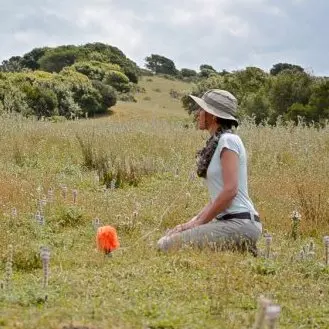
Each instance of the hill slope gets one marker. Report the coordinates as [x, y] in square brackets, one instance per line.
[156, 101]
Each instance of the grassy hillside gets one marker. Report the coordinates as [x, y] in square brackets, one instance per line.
[150, 144]
[155, 102]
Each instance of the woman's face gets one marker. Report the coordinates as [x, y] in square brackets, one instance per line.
[204, 119]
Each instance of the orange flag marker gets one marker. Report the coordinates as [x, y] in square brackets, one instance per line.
[107, 239]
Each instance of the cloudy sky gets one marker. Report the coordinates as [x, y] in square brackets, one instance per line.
[228, 34]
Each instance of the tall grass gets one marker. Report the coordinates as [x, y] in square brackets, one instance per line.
[151, 162]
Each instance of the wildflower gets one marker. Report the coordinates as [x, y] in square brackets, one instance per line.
[14, 213]
[96, 223]
[188, 197]
[43, 201]
[272, 315]
[45, 257]
[135, 214]
[326, 249]
[263, 303]
[75, 195]
[39, 218]
[192, 176]
[9, 267]
[268, 241]
[295, 217]
[113, 184]
[50, 196]
[64, 191]
[96, 178]
[39, 189]
[312, 246]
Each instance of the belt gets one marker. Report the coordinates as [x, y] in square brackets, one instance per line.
[239, 215]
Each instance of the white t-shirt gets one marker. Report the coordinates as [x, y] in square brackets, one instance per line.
[214, 180]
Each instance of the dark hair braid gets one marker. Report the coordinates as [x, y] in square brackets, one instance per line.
[205, 155]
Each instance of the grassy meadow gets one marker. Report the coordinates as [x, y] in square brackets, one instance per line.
[134, 170]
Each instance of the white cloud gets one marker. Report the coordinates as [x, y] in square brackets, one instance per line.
[227, 34]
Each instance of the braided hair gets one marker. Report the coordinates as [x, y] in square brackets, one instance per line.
[205, 155]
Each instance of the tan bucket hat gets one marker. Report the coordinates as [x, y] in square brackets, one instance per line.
[219, 103]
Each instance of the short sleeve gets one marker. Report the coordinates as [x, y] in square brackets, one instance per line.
[230, 142]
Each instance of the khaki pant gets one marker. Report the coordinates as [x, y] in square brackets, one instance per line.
[233, 234]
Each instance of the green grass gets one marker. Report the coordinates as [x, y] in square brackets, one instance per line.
[139, 287]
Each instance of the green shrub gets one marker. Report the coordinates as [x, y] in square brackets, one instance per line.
[69, 216]
[118, 80]
[128, 97]
[114, 171]
[175, 94]
[91, 101]
[43, 101]
[57, 118]
[55, 60]
[107, 92]
[95, 70]
[131, 74]
[145, 72]
[26, 256]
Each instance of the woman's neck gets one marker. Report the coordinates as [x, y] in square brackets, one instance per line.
[213, 129]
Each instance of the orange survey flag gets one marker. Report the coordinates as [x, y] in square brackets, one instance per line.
[107, 239]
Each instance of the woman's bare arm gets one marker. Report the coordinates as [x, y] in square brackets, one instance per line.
[229, 161]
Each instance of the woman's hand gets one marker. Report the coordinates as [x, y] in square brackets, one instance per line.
[182, 227]
[176, 229]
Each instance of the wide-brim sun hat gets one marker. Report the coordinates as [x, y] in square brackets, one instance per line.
[219, 103]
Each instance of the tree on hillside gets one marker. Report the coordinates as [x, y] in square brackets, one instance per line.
[319, 100]
[279, 67]
[287, 88]
[30, 59]
[13, 64]
[206, 67]
[55, 60]
[111, 55]
[257, 105]
[160, 65]
[186, 73]
[206, 71]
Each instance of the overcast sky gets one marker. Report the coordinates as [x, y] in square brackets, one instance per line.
[228, 34]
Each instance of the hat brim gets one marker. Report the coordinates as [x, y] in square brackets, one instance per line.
[212, 110]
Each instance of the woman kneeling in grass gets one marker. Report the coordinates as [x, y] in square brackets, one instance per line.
[229, 220]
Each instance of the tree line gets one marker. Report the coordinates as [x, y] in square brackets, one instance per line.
[287, 92]
[72, 81]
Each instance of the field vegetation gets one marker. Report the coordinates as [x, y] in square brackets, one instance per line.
[135, 170]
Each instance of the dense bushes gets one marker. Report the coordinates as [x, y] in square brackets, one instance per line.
[290, 94]
[55, 59]
[67, 81]
[68, 94]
